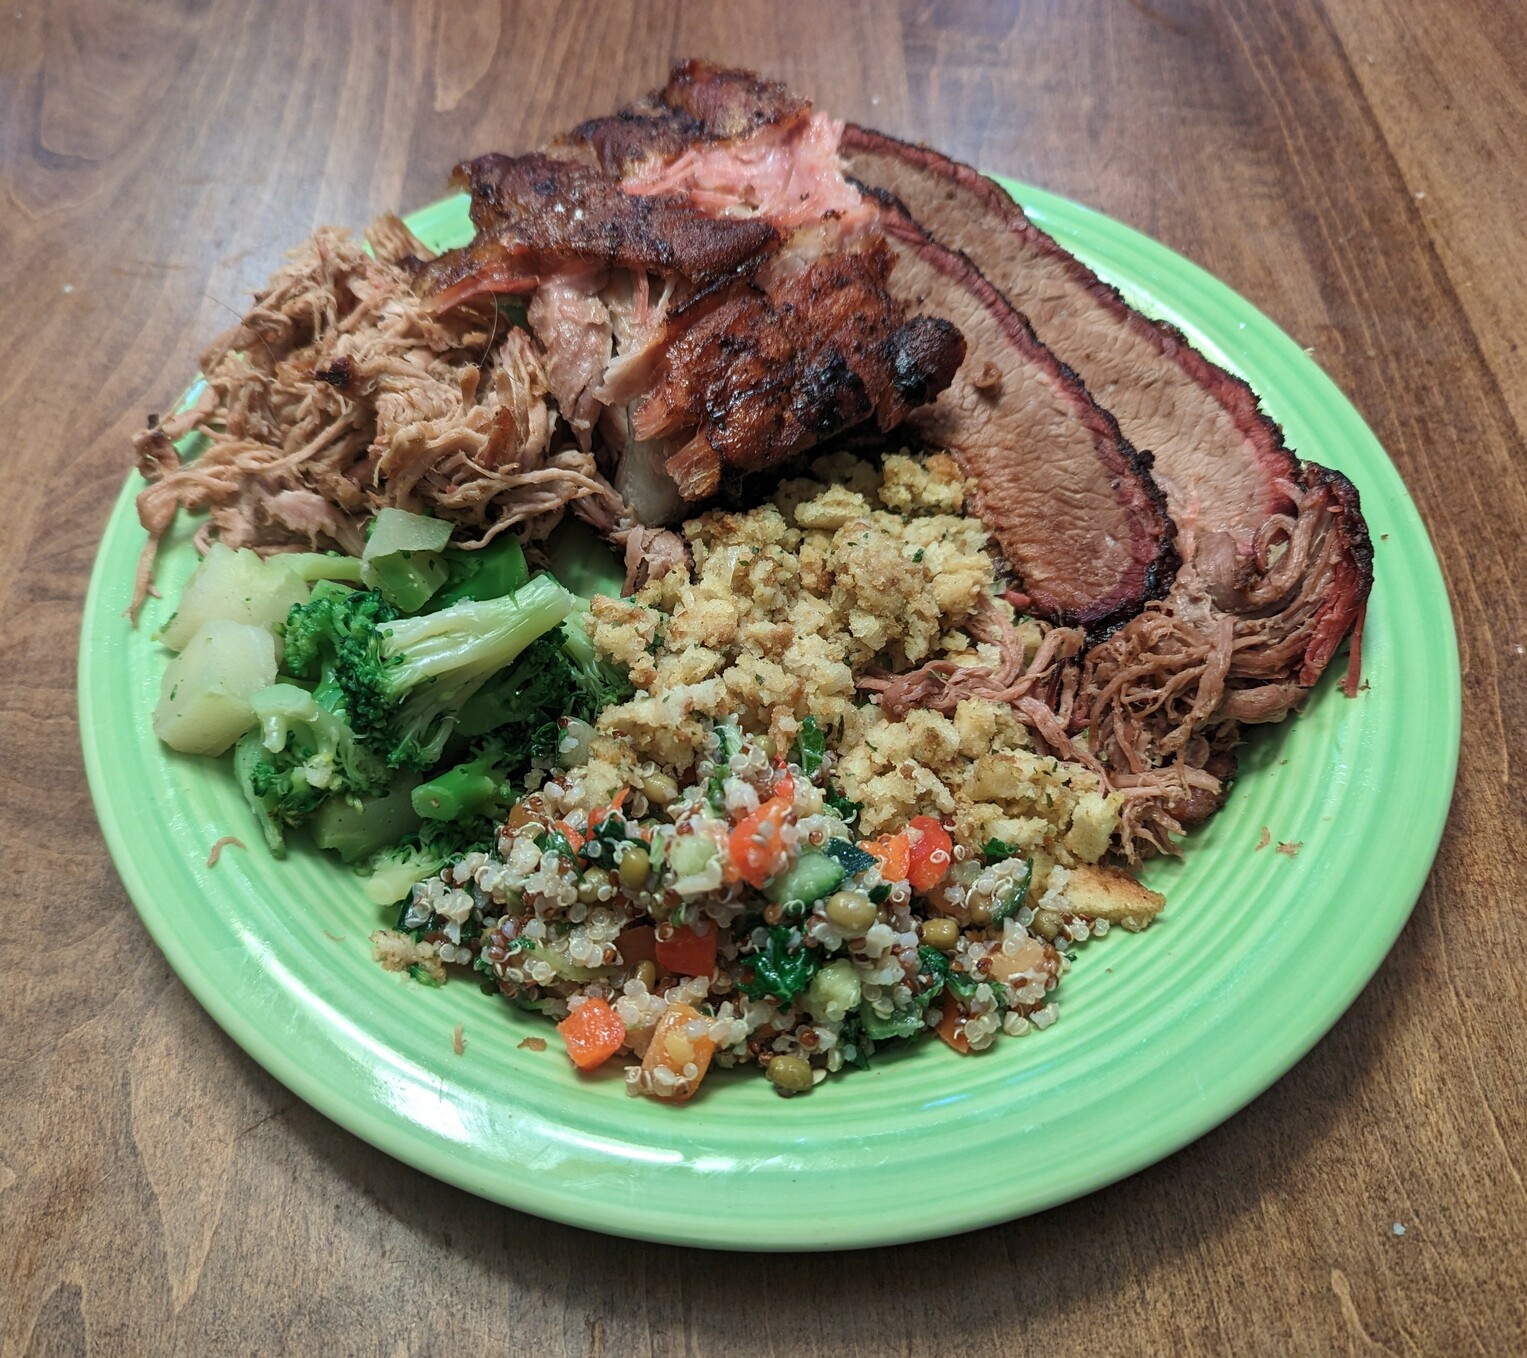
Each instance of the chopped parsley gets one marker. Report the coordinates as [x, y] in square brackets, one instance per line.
[810, 747]
[780, 970]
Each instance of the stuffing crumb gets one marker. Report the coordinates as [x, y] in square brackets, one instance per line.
[1291, 847]
[790, 602]
[398, 952]
[458, 1042]
[535, 1044]
[1112, 894]
[223, 843]
[856, 569]
[1264, 840]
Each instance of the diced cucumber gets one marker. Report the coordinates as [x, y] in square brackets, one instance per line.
[812, 876]
[851, 856]
[900, 1023]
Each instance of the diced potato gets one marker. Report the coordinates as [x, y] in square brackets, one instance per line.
[204, 700]
[235, 586]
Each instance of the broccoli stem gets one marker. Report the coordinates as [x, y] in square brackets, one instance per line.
[488, 573]
[470, 639]
[355, 827]
[459, 792]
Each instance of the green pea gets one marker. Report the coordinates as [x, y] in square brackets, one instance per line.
[791, 1074]
[634, 865]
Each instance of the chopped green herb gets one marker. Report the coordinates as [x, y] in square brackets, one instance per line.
[780, 970]
[845, 810]
[938, 966]
[810, 747]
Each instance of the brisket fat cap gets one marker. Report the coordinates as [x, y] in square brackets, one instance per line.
[1231, 483]
[700, 103]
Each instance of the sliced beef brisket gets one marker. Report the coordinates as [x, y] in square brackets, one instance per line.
[1230, 482]
[1277, 562]
[1071, 502]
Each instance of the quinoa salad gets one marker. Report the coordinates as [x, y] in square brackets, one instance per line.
[693, 881]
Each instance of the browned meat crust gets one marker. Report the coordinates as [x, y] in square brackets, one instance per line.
[1068, 498]
[700, 102]
[536, 216]
[764, 377]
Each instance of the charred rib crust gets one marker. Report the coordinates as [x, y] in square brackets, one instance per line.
[700, 102]
[534, 211]
[759, 378]
[926, 352]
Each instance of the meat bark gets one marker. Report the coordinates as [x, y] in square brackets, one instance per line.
[1071, 502]
[537, 218]
[762, 378]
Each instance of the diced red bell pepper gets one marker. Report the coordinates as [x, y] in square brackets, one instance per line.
[687, 953]
[931, 853]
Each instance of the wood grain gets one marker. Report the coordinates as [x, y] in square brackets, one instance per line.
[1353, 167]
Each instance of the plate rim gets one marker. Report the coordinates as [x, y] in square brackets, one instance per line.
[419, 1148]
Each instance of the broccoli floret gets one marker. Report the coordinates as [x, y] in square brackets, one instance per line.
[402, 682]
[596, 682]
[299, 756]
[391, 873]
[335, 619]
[520, 716]
[277, 797]
[300, 733]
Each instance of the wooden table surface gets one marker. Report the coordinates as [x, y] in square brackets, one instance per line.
[1354, 167]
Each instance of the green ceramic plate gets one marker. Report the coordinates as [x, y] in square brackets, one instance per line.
[1162, 1036]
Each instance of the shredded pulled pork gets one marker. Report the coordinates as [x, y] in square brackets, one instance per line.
[340, 393]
